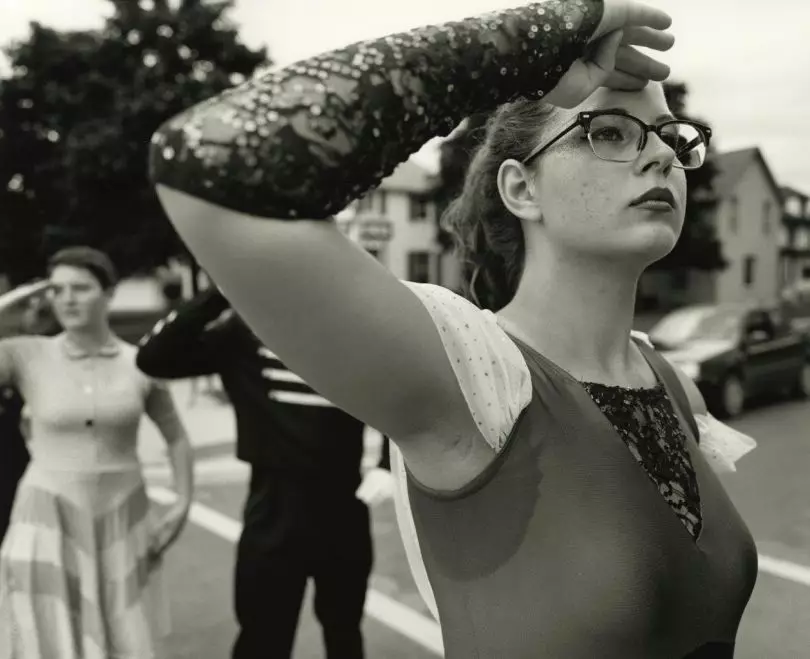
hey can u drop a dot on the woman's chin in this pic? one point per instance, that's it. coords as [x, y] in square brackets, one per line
[71, 323]
[654, 241]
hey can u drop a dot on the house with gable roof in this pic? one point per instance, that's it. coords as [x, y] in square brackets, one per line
[748, 222]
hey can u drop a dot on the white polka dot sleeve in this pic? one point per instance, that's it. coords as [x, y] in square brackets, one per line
[490, 370]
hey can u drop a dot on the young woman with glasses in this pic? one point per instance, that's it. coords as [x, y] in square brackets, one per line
[553, 496]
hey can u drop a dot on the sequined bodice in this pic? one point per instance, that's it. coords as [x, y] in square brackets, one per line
[646, 422]
[305, 140]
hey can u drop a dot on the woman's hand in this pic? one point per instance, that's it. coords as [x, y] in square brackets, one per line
[23, 294]
[377, 486]
[167, 531]
[26, 292]
[611, 59]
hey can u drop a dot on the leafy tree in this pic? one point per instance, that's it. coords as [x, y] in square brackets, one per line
[76, 117]
[698, 247]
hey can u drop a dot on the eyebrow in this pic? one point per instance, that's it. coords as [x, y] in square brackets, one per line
[660, 118]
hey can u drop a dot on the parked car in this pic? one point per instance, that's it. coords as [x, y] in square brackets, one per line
[137, 305]
[735, 352]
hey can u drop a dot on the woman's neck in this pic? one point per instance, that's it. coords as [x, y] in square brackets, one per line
[579, 315]
[90, 338]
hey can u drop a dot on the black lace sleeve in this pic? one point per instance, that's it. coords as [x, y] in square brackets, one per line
[305, 140]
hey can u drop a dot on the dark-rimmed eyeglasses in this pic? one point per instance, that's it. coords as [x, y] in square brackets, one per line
[618, 136]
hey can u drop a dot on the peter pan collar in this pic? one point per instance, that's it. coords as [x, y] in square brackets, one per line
[111, 348]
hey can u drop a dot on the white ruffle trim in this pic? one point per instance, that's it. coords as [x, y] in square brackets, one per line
[721, 445]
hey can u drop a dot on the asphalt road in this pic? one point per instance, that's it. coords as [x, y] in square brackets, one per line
[771, 490]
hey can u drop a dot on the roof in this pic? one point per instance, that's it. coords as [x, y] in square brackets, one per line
[409, 177]
[793, 192]
[731, 166]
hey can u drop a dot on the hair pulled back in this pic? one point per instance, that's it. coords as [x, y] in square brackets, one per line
[488, 237]
[94, 261]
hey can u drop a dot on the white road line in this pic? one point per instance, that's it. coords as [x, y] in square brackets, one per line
[413, 625]
[785, 569]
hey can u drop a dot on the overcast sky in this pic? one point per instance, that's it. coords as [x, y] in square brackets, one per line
[747, 63]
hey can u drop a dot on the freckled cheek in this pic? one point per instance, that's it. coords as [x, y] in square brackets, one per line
[574, 178]
[592, 201]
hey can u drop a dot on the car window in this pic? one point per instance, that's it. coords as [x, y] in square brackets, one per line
[708, 324]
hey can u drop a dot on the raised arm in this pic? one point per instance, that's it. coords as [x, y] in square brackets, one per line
[179, 346]
[12, 350]
[300, 144]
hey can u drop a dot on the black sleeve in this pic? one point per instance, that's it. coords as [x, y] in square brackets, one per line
[180, 346]
[305, 140]
[385, 455]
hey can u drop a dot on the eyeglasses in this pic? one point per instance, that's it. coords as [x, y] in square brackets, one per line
[617, 136]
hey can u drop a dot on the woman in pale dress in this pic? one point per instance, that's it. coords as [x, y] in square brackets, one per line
[80, 565]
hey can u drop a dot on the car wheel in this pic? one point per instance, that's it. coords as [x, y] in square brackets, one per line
[732, 397]
[803, 382]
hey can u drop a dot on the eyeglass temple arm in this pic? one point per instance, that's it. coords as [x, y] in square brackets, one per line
[690, 145]
[538, 150]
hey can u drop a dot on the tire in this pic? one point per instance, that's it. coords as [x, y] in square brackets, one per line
[731, 398]
[802, 387]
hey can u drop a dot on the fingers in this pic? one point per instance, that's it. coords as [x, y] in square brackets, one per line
[648, 38]
[605, 52]
[632, 62]
[641, 14]
[588, 74]
[622, 14]
[622, 81]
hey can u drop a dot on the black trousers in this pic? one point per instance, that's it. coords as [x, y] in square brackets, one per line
[293, 533]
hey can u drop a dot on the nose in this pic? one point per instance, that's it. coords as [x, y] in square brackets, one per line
[68, 296]
[657, 155]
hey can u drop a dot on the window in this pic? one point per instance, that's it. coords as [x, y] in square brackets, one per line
[749, 270]
[734, 208]
[419, 208]
[766, 217]
[794, 206]
[419, 267]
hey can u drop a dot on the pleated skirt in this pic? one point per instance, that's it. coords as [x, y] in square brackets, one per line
[75, 578]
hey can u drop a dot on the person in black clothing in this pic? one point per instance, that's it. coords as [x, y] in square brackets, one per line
[13, 450]
[306, 513]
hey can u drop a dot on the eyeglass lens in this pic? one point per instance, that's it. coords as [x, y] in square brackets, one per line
[618, 138]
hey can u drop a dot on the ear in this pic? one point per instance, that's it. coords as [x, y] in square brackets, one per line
[518, 191]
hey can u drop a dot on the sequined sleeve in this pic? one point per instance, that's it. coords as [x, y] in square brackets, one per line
[305, 140]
